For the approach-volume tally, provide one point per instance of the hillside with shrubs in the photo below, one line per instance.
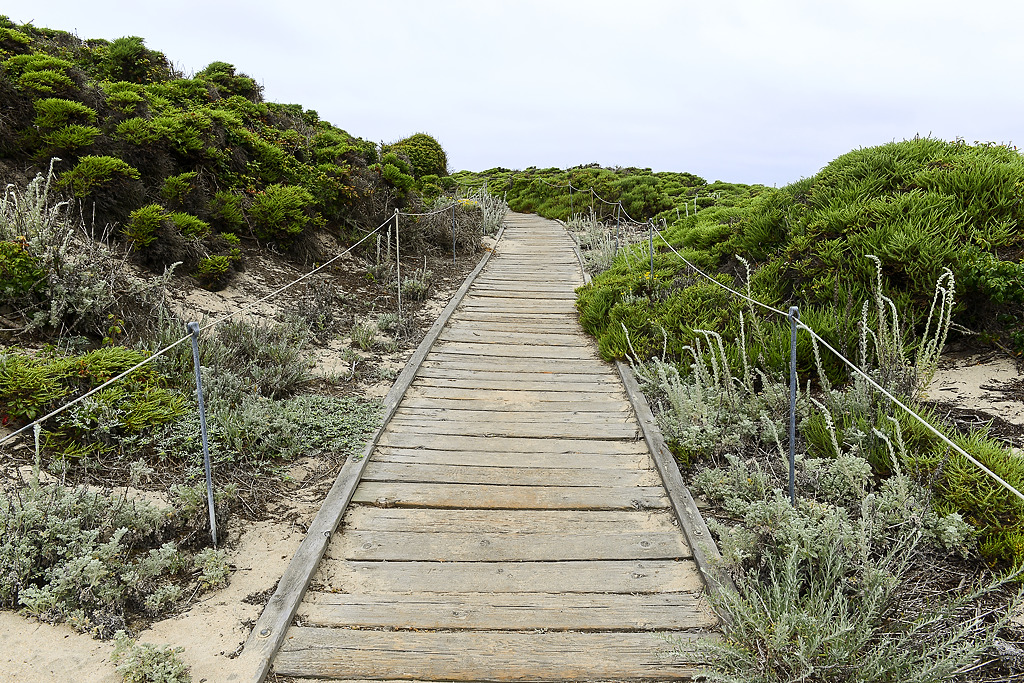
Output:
(130, 187)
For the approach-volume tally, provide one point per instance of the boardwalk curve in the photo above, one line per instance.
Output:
(510, 522)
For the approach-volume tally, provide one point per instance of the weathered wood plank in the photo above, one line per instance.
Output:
(589, 406)
(531, 428)
(401, 494)
(480, 656)
(592, 384)
(437, 456)
(426, 520)
(518, 350)
(382, 470)
(469, 362)
(504, 444)
(579, 544)
(509, 611)
(604, 576)
(464, 334)
(554, 393)
(510, 415)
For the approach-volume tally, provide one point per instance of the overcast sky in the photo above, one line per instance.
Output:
(764, 91)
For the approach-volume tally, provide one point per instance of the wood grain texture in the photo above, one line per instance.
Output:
(404, 494)
(567, 544)
(469, 520)
(381, 470)
(480, 656)
(510, 611)
(606, 576)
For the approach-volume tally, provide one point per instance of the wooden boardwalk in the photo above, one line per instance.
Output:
(510, 524)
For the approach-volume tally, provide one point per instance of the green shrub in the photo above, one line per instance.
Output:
(69, 139)
(28, 386)
(226, 211)
(40, 73)
(144, 225)
(137, 131)
(280, 212)
(214, 272)
(53, 112)
(13, 40)
(189, 225)
(123, 96)
(424, 152)
(128, 59)
(20, 273)
(177, 188)
(94, 171)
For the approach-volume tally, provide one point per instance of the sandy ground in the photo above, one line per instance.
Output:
(990, 384)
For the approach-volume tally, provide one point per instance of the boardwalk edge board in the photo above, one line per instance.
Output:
(702, 543)
(267, 635)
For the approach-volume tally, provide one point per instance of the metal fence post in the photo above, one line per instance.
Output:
(398, 267)
(618, 217)
(793, 315)
(453, 233)
(193, 329)
(651, 244)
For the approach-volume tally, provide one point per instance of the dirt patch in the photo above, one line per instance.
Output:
(974, 390)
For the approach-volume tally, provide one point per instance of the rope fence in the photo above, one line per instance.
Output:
(793, 317)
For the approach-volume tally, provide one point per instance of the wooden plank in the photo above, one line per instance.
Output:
(530, 428)
(580, 544)
(705, 551)
(469, 458)
(564, 326)
(556, 393)
(518, 350)
(462, 361)
(368, 518)
(480, 656)
(602, 576)
(484, 496)
(269, 630)
(502, 293)
(463, 334)
(380, 470)
(509, 611)
(594, 384)
(504, 444)
(510, 415)
(595, 406)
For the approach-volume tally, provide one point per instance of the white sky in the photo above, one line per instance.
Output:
(748, 91)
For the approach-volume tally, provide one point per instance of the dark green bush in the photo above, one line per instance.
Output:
(144, 225)
(424, 152)
(280, 212)
(54, 112)
(226, 211)
(20, 274)
(92, 171)
(128, 59)
(214, 272)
